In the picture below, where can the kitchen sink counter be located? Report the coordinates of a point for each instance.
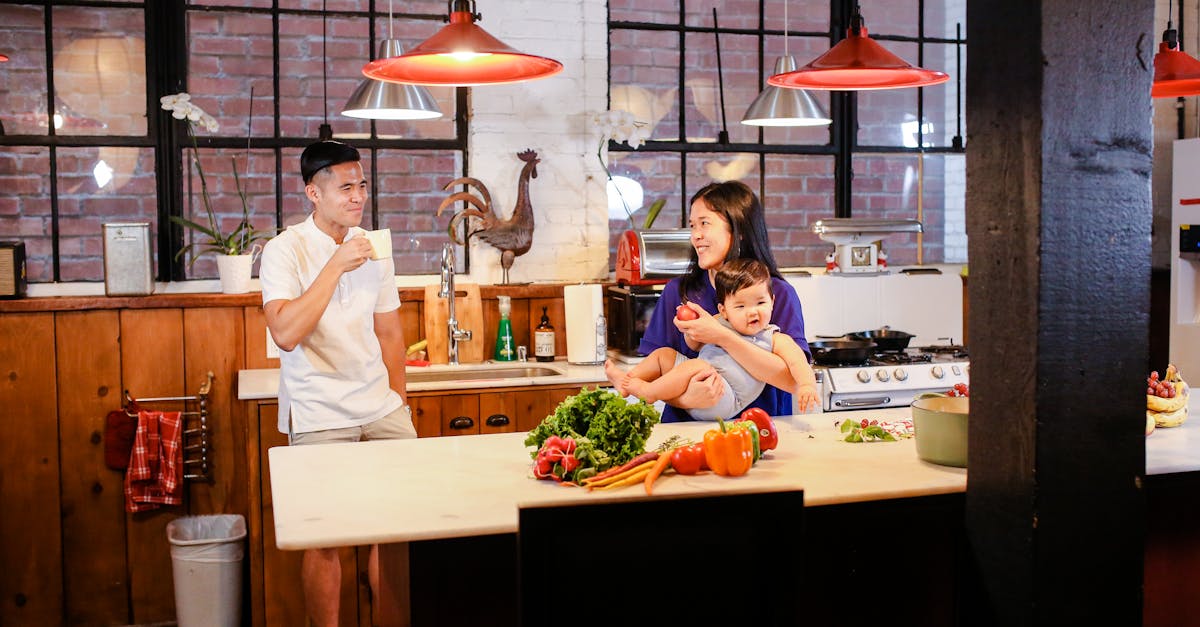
(433, 488)
(264, 383)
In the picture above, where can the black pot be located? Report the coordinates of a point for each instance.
(886, 339)
(834, 352)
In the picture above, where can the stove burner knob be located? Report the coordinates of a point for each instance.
(882, 375)
(864, 376)
(937, 372)
(901, 374)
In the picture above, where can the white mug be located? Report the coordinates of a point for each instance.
(381, 243)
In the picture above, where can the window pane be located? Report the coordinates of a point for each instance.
(91, 195)
(809, 17)
(410, 190)
(942, 16)
(230, 53)
(99, 73)
(642, 178)
(301, 63)
(730, 13)
(644, 71)
(888, 117)
(944, 115)
(799, 192)
(891, 17)
(409, 32)
(23, 100)
(256, 173)
(739, 63)
(894, 187)
(660, 12)
(25, 207)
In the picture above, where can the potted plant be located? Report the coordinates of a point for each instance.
(622, 127)
(236, 249)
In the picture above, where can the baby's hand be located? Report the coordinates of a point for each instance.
(806, 397)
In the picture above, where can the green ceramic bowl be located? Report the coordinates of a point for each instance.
(940, 428)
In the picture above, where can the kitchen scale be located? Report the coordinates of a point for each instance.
(856, 242)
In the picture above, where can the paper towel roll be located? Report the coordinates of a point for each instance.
(586, 333)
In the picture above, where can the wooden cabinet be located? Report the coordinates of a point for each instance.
(471, 412)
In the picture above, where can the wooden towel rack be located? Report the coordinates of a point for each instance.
(195, 428)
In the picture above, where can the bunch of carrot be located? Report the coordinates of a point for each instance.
(645, 468)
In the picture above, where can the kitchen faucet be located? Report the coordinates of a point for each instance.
(455, 334)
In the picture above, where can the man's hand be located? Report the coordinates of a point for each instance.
(353, 253)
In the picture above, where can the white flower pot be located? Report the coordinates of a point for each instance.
(234, 271)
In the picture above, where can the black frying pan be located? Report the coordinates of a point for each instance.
(886, 339)
(833, 352)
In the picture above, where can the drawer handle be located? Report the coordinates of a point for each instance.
(497, 420)
(461, 422)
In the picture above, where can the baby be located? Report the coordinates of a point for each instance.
(745, 300)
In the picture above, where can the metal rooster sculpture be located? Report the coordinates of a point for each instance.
(512, 236)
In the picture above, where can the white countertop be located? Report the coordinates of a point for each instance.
(432, 488)
(264, 383)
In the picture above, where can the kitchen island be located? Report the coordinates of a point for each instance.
(446, 510)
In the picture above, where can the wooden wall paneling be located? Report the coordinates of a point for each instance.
(255, 467)
(88, 354)
(558, 320)
(31, 580)
(427, 414)
(498, 404)
(457, 406)
(256, 339)
(214, 341)
(152, 366)
(282, 592)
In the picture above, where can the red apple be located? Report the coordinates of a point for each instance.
(683, 312)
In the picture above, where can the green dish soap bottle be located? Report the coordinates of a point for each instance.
(505, 349)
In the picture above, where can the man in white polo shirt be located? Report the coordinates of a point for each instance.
(335, 315)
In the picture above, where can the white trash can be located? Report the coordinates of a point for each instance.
(206, 560)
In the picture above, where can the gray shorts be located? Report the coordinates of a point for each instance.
(397, 425)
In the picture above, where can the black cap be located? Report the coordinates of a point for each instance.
(323, 154)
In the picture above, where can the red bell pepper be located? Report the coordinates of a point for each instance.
(768, 435)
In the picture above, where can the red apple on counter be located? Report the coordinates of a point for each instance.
(683, 312)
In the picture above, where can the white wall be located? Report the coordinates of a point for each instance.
(553, 117)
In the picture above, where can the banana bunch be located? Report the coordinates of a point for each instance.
(1168, 411)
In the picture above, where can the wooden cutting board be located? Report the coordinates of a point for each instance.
(468, 308)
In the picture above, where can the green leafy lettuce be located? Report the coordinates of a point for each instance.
(608, 430)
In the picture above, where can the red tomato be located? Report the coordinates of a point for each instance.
(683, 312)
(688, 460)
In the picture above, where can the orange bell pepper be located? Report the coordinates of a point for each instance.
(729, 452)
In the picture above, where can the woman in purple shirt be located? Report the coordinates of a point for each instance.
(727, 223)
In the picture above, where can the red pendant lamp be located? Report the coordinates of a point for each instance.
(1176, 73)
(858, 63)
(462, 54)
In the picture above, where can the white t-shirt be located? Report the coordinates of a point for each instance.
(335, 377)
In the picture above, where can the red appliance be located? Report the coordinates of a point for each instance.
(652, 257)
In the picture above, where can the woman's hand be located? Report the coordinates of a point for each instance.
(705, 329)
(704, 390)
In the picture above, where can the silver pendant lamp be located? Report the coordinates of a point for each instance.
(782, 106)
(381, 100)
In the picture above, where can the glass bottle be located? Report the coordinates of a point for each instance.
(505, 346)
(543, 339)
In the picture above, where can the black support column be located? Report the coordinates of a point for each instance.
(1058, 220)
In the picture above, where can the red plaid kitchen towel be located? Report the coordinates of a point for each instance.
(155, 472)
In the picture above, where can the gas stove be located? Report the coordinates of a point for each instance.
(893, 378)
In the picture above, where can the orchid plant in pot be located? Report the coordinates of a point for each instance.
(236, 248)
(622, 127)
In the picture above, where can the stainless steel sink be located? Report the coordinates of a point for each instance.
(480, 374)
